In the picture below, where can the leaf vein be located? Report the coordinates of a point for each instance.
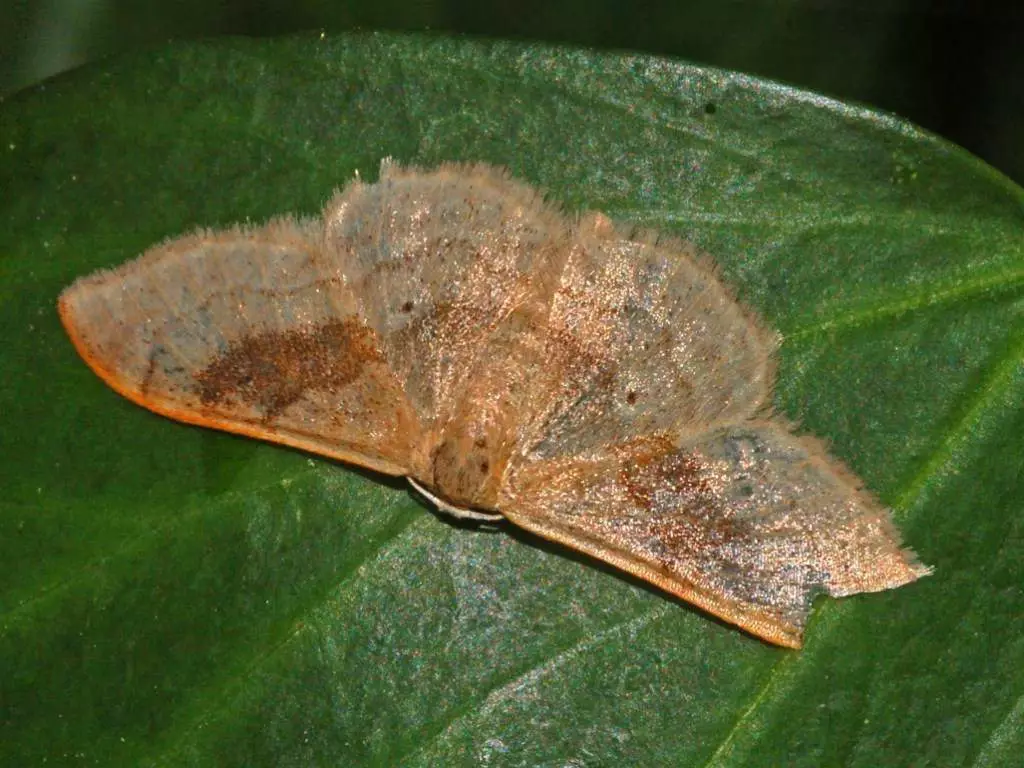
(508, 689)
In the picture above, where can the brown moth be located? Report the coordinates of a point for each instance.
(450, 326)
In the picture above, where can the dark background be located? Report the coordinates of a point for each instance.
(953, 66)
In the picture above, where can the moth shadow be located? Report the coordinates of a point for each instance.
(529, 539)
(388, 481)
(532, 540)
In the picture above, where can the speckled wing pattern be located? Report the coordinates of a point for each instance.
(655, 453)
(643, 339)
(252, 331)
(747, 521)
(443, 265)
(604, 391)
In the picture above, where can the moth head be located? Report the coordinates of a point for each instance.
(467, 469)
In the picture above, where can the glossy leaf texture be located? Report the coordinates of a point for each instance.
(174, 596)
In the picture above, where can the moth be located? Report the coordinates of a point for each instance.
(603, 391)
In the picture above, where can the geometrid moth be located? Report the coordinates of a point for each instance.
(602, 391)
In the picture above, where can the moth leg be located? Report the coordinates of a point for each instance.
(450, 509)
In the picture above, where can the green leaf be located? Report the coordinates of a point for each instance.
(174, 596)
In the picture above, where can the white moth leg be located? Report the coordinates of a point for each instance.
(449, 509)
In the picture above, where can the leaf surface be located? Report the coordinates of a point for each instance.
(174, 596)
